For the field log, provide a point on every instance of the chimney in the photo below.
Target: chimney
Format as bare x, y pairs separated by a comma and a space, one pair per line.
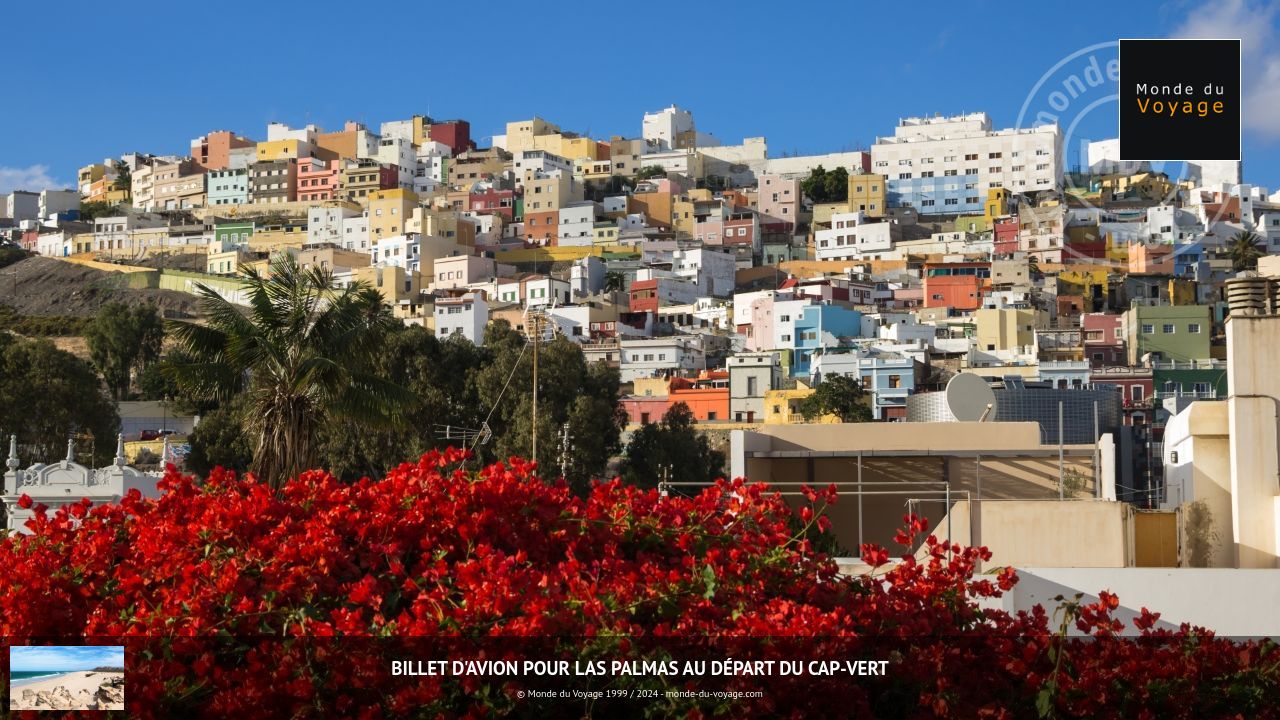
1251, 294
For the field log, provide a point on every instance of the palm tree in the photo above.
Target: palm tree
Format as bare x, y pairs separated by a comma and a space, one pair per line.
1244, 249
302, 352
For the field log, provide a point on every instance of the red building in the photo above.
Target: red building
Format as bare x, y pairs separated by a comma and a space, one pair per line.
1005, 232
644, 296
960, 286
494, 202
454, 133
1104, 339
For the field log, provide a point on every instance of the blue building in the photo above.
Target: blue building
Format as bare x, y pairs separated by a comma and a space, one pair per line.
822, 326
888, 378
946, 195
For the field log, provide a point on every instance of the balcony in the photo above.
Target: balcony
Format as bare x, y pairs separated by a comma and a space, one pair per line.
1210, 394
1189, 365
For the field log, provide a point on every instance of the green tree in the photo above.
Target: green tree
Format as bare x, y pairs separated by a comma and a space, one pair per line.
614, 281
90, 211
124, 340
46, 394
571, 391
438, 375
1244, 249
304, 353
651, 171
220, 441
838, 395
671, 449
124, 177
823, 187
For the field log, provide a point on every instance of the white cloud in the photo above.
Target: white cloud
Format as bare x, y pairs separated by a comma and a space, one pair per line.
34, 178
1254, 24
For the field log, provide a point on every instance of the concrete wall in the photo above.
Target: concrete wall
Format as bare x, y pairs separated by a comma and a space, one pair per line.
1045, 533
1180, 595
1200, 482
1253, 374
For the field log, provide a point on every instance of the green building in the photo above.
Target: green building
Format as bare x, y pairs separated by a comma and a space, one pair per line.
232, 234
1168, 332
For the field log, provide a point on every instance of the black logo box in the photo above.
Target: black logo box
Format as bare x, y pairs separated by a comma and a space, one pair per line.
1187, 68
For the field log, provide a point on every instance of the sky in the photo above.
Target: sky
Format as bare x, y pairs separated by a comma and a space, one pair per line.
64, 657
86, 81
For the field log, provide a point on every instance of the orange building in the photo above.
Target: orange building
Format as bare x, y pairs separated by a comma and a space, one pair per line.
213, 151
542, 228
956, 285
1155, 259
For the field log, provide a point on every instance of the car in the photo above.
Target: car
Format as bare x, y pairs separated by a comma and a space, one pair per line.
155, 434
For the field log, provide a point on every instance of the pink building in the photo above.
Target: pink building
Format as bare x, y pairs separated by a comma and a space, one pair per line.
760, 332
1104, 339
317, 180
779, 202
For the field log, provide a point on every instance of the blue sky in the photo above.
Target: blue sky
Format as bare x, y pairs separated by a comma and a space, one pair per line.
89, 80
64, 657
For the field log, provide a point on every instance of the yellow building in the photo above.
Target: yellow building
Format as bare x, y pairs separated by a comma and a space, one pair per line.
88, 175
274, 238
1078, 280
521, 134
395, 284
1006, 328
997, 204
283, 149
605, 234
782, 407
867, 194
390, 212
1148, 186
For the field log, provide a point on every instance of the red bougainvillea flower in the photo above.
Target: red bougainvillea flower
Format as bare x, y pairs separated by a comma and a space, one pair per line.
240, 601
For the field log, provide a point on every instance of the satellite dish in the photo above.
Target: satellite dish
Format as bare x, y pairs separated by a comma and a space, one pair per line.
970, 398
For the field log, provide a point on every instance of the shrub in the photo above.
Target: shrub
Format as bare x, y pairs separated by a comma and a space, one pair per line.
233, 597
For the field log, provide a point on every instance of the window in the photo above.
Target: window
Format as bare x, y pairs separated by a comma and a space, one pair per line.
995, 169
973, 156
904, 176
993, 156
1136, 392
711, 415
1202, 389
1148, 328
952, 201
895, 381
1167, 328
971, 171
1119, 332
1193, 328
948, 173
927, 174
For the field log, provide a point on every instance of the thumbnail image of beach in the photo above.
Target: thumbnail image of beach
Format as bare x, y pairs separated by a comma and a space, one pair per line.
65, 677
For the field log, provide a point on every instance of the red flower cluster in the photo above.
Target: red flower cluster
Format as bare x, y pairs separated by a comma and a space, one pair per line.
236, 600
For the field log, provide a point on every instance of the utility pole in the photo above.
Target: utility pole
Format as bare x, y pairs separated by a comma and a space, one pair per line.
564, 451
534, 317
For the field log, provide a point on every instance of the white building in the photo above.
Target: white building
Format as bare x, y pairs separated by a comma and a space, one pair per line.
65, 482
714, 272
1104, 159
324, 223
751, 375
946, 165
403, 251
851, 237
654, 357
665, 127
577, 224
23, 205
460, 271
53, 202
465, 315
355, 232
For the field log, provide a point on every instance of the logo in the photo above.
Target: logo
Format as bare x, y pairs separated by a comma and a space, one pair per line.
1180, 98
